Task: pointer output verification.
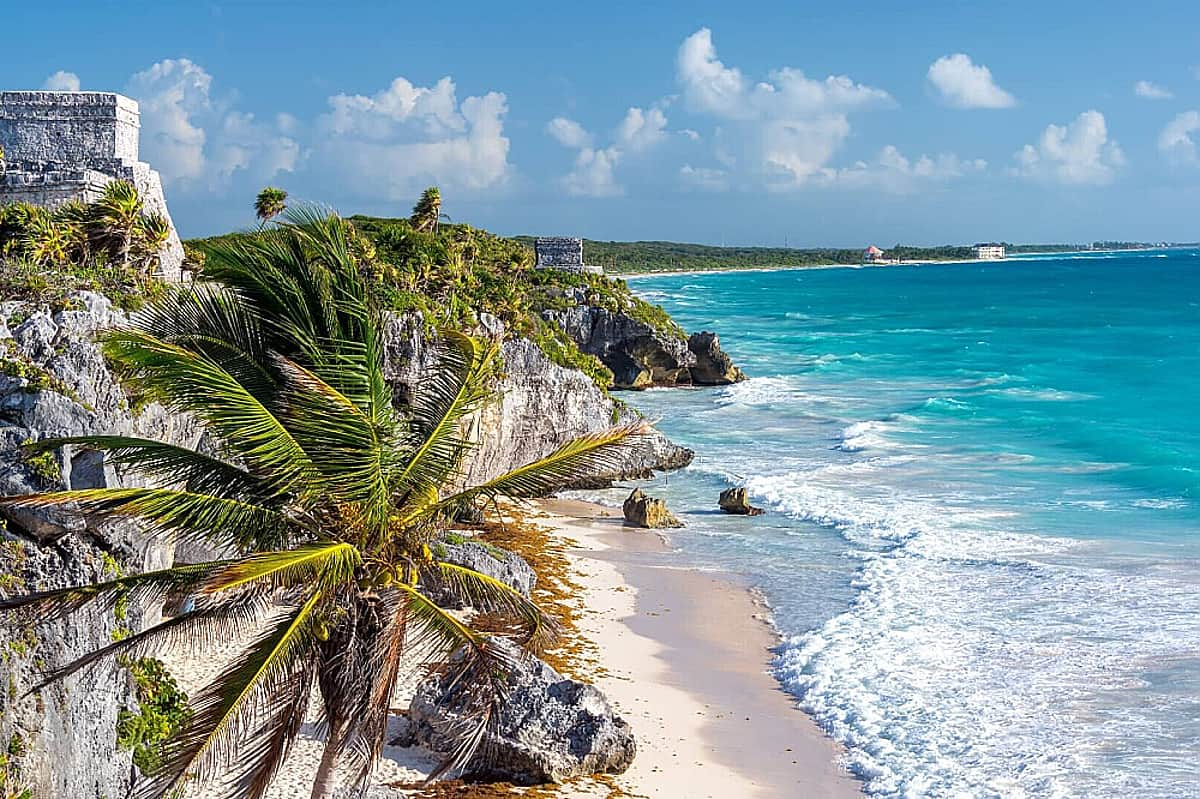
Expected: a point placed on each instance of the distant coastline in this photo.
(1019, 256)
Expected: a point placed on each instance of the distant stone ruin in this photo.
(65, 146)
(558, 252)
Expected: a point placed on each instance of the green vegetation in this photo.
(635, 257)
(270, 203)
(451, 273)
(14, 364)
(163, 712)
(43, 464)
(335, 496)
(111, 246)
(12, 786)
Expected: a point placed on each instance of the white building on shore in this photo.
(989, 252)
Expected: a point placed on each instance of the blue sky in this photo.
(748, 123)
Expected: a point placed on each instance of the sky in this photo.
(754, 123)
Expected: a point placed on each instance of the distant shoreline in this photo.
(926, 262)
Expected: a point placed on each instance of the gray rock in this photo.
(642, 510)
(737, 501)
(713, 365)
(500, 564)
(638, 355)
(550, 728)
(541, 406)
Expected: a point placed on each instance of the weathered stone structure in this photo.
(558, 252)
(64, 146)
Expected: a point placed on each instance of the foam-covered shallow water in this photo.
(984, 498)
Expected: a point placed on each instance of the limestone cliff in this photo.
(641, 355)
(54, 382)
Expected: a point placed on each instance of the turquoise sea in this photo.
(983, 483)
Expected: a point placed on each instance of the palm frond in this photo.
(197, 472)
(190, 515)
(489, 595)
(454, 388)
(320, 566)
(236, 717)
(191, 382)
(155, 586)
(565, 466)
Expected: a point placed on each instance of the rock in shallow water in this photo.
(550, 729)
(713, 365)
(736, 501)
(642, 510)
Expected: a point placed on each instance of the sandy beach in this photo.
(683, 656)
(687, 654)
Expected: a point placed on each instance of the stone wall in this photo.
(559, 252)
(65, 146)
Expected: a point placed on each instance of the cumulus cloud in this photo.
(61, 82)
(1080, 153)
(593, 173)
(1151, 91)
(568, 133)
(893, 171)
(404, 137)
(193, 139)
(1178, 141)
(704, 177)
(965, 84)
(641, 130)
(783, 130)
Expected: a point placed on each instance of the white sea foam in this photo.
(975, 661)
(864, 435)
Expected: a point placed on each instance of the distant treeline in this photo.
(629, 257)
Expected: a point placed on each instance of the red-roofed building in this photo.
(872, 255)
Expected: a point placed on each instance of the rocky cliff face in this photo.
(640, 355)
(541, 406)
(54, 382)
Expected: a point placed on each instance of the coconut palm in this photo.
(427, 211)
(270, 203)
(334, 495)
(116, 217)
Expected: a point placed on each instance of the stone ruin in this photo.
(558, 252)
(66, 146)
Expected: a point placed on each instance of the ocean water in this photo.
(983, 484)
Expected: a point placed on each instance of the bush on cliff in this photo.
(334, 495)
(111, 246)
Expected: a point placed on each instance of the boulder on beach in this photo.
(737, 501)
(550, 728)
(642, 510)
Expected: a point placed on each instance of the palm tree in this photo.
(427, 211)
(270, 203)
(117, 214)
(152, 233)
(333, 494)
(47, 240)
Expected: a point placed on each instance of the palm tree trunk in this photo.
(324, 784)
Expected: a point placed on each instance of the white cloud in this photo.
(402, 138)
(1080, 153)
(191, 139)
(964, 84)
(893, 171)
(1177, 140)
(641, 130)
(568, 133)
(783, 130)
(1151, 91)
(593, 174)
(61, 82)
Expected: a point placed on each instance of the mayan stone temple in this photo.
(558, 252)
(64, 146)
